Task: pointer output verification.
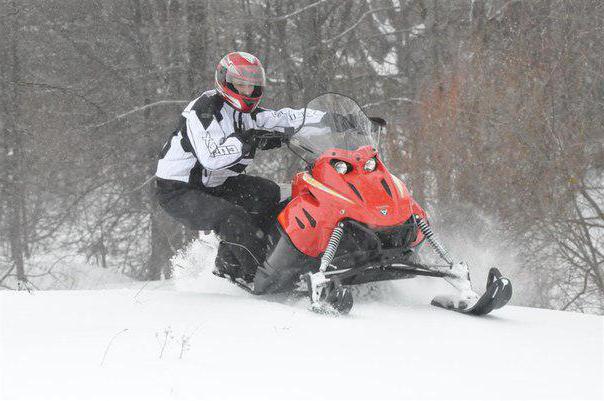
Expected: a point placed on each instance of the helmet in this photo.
(244, 69)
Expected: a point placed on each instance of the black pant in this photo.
(240, 211)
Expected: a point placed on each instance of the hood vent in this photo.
(356, 191)
(386, 187)
(313, 222)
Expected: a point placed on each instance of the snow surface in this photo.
(200, 337)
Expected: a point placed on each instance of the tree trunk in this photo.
(167, 236)
(13, 142)
(197, 42)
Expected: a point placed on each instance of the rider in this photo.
(201, 180)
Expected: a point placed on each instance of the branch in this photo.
(366, 13)
(11, 13)
(318, 45)
(49, 270)
(67, 212)
(286, 16)
(498, 12)
(579, 294)
(7, 274)
(61, 89)
(136, 110)
(130, 191)
(109, 345)
(82, 49)
(377, 35)
(396, 99)
(568, 253)
(583, 220)
(592, 202)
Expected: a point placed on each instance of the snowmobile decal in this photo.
(306, 177)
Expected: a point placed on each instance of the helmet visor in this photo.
(246, 75)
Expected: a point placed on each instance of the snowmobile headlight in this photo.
(341, 167)
(370, 164)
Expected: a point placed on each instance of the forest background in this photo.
(495, 114)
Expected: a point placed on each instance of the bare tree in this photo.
(13, 149)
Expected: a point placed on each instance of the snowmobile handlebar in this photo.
(264, 134)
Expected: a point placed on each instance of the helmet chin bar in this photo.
(239, 101)
(232, 100)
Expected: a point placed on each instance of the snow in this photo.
(199, 337)
(69, 272)
(417, 30)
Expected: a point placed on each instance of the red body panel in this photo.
(323, 198)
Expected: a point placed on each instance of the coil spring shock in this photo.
(332, 247)
(438, 247)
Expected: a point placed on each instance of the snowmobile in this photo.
(350, 221)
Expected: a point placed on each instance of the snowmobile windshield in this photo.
(333, 121)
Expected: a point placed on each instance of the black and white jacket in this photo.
(210, 144)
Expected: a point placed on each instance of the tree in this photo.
(13, 149)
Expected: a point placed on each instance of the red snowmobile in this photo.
(350, 221)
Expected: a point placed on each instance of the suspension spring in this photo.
(332, 247)
(438, 247)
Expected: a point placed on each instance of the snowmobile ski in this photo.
(327, 297)
(241, 283)
(497, 294)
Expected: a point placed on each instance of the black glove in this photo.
(248, 139)
(339, 122)
(273, 143)
(265, 140)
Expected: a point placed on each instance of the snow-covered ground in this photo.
(199, 337)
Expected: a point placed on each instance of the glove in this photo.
(278, 140)
(338, 121)
(248, 140)
(266, 140)
(266, 144)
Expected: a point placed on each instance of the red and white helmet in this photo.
(243, 69)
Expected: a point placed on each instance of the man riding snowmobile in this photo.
(349, 220)
(200, 178)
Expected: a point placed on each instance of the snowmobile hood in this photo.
(372, 196)
(325, 196)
